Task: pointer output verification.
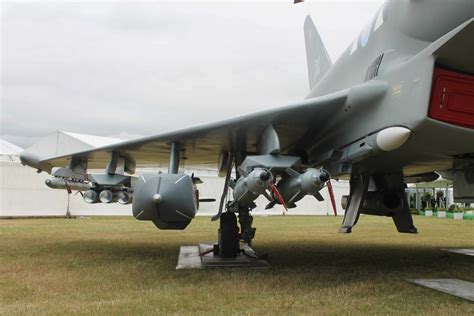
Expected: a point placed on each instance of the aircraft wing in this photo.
(203, 145)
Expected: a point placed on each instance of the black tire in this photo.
(228, 234)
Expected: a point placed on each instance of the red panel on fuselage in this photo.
(452, 98)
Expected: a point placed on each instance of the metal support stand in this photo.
(68, 211)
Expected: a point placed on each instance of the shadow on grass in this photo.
(356, 259)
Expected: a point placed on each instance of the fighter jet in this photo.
(396, 107)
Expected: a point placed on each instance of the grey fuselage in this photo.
(402, 31)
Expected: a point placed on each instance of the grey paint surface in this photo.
(189, 258)
(456, 287)
(398, 97)
(467, 252)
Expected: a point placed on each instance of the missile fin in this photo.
(242, 171)
(270, 205)
(292, 172)
(267, 196)
(294, 197)
(318, 197)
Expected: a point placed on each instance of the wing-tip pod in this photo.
(33, 160)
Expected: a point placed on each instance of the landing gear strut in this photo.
(386, 198)
(228, 236)
(247, 232)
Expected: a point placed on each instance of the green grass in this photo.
(124, 266)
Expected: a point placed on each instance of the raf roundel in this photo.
(365, 35)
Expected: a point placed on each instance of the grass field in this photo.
(124, 266)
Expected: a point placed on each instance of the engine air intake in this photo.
(452, 98)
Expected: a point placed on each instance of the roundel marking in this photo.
(365, 35)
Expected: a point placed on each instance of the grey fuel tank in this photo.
(168, 200)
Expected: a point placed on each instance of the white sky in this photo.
(128, 68)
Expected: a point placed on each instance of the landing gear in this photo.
(228, 236)
(247, 231)
(382, 195)
(228, 233)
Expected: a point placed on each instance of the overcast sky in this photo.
(127, 68)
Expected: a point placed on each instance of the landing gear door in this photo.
(463, 182)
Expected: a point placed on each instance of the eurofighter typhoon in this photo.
(397, 107)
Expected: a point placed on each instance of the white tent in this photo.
(23, 191)
(62, 143)
(9, 151)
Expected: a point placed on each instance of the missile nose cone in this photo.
(265, 176)
(392, 138)
(91, 196)
(106, 196)
(324, 176)
(157, 198)
(124, 198)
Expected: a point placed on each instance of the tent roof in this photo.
(7, 148)
(64, 143)
(93, 140)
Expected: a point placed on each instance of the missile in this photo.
(108, 196)
(91, 196)
(57, 183)
(125, 197)
(249, 187)
(385, 140)
(296, 186)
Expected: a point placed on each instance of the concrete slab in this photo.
(456, 287)
(190, 258)
(465, 251)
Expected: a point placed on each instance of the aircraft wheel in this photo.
(228, 235)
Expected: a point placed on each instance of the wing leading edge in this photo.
(203, 145)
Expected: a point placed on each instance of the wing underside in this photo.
(203, 145)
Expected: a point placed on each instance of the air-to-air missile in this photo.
(249, 187)
(296, 186)
(57, 183)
